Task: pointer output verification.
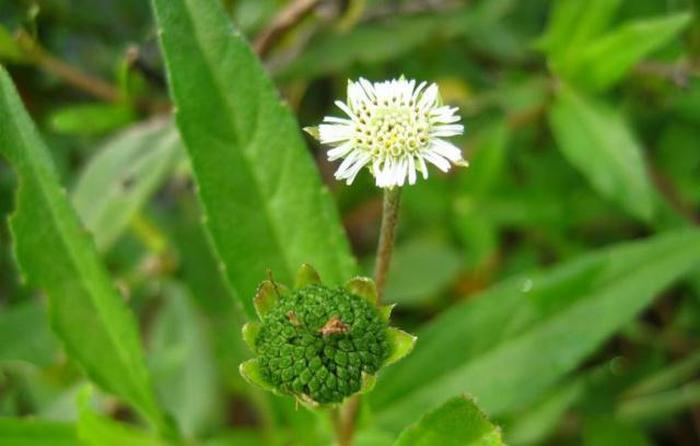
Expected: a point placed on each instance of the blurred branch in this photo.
(83, 81)
(285, 20)
(669, 192)
(679, 73)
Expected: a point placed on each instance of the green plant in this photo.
(551, 284)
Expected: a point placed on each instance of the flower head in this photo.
(320, 344)
(393, 127)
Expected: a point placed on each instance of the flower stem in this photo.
(346, 417)
(390, 219)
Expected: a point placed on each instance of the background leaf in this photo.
(264, 204)
(458, 422)
(95, 325)
(122, 176)
(19, 432)
(25, 335)
(515, 340)
(606, 60)
(596, 140)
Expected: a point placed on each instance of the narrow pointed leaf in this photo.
(33, 432)
(57, 256)
(484, 347)
(264, 202)
(595, 139)
(306, 275)
(363, 287)
(122, 176)
(401, 344)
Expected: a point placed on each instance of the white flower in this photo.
(393, 127)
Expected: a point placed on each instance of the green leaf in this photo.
(25, 335)
(536, 422)
(58, 257)
(606, 60)
(657, 406)
(264, 204)
(595, 139)
(33, 432)
(182, 363)
(122, 176)
(97, 430)
(90, 119)
(389, 39)
(514, 341)
(458, 422)
(9, 49)
(420, 270)
(668, 377)
(572, 25)
(605, 431)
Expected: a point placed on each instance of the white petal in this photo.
(438, 161)
(411, 170)
(447, 130)
(346, 109)
(446, 149)
(429, 97)
(330, 133)
(340, 151)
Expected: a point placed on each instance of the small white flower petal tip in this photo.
(393, 127)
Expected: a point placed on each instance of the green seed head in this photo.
(317, 341)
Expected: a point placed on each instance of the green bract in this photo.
(320, 344)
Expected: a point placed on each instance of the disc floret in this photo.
(320, 344)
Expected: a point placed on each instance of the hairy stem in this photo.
(390, 219)
(346, 417)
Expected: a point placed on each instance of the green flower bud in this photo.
(320, 344)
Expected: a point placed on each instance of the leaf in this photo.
(33, 432)
(595, 139)
(659, 405)
(514, 341)
(378, 42)
(264, 204)
(537, 421)
(600, 431)
(182, 363)
(420, 270)
(9, 50)
(572, 25)
(606, 60)
(97, 430)
(25, 335)
(458, 422)
(122, 176)
(90, 119)
(56, 256)
(669, 376)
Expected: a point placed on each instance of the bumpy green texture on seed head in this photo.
(320, 344)
(318, 341)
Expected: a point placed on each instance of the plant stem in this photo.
(390, 219)
(344, 420)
